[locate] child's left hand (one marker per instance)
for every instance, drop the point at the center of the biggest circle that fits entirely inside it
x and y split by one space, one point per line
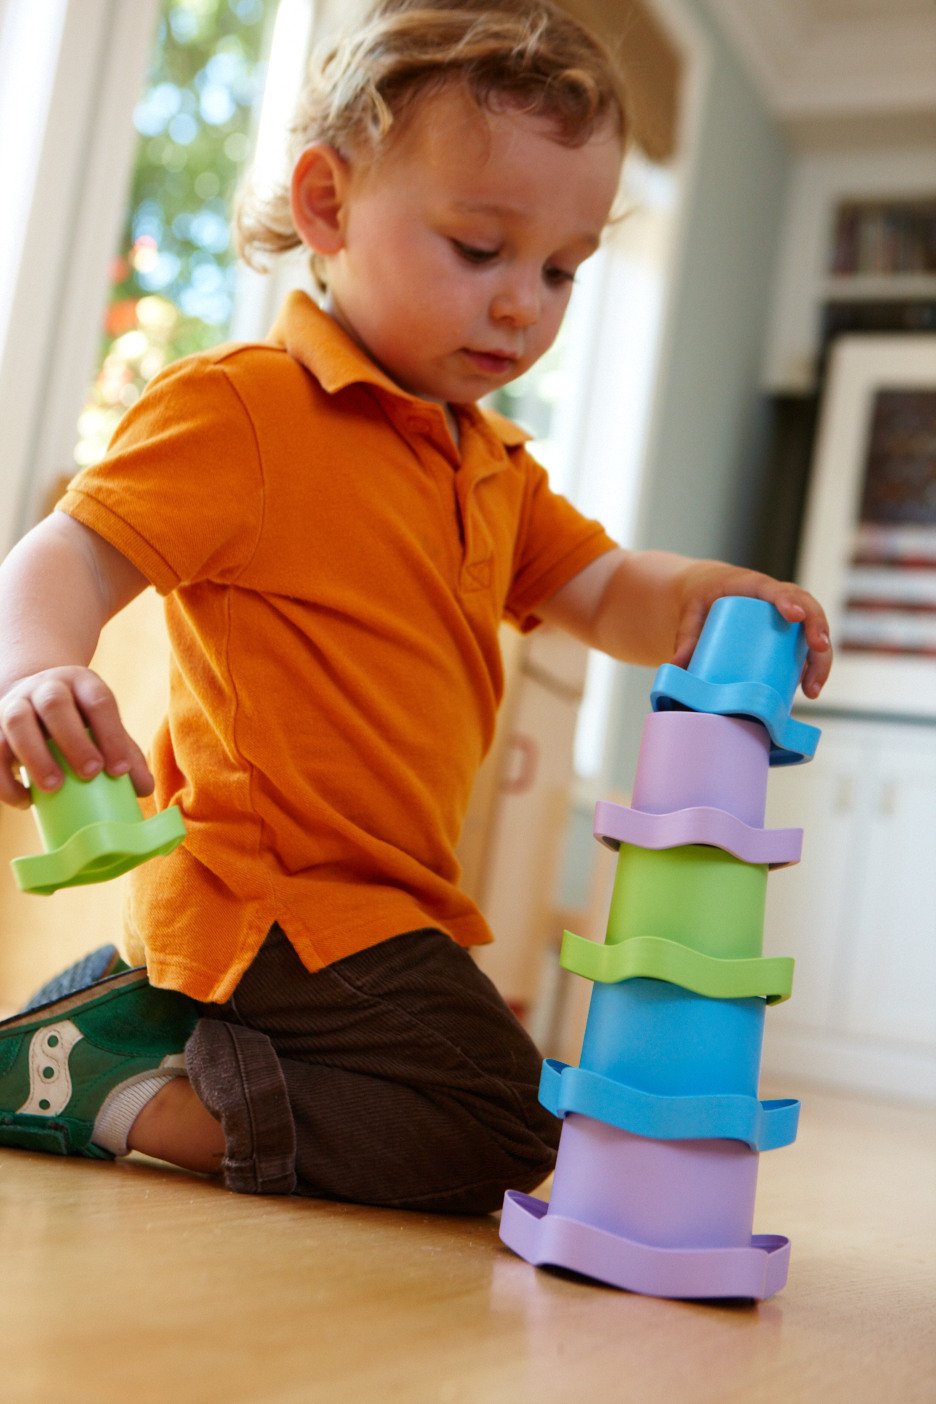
707 581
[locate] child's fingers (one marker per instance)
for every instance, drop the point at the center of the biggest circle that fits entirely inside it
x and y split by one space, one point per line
795 604
687 632
27 743
791 610
109 747
109 744
817 633
12 790
816 672
139 771
55 715
75 709
799 607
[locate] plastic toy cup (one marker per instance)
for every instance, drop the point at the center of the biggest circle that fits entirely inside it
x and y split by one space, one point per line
700 896
747 640
667 1220
713 828
92 830
693 759
747 663
552 1240
664 1039
671 1194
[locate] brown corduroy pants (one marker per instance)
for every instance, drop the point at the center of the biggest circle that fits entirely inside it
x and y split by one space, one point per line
395 1077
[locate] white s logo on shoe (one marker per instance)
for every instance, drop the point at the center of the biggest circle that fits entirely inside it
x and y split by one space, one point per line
50 1084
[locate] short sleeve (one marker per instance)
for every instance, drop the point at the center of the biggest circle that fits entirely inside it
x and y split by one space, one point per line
180 491
554 543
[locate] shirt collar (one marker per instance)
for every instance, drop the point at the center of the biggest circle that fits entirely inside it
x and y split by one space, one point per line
316 341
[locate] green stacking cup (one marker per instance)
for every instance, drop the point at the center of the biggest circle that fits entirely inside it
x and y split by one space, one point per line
691 916
92 830
701 897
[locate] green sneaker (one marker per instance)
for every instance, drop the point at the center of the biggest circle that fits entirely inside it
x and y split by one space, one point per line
60 1064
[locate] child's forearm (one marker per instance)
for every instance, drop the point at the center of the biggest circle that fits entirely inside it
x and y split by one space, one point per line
53 602
637 614
648 607
58 588
626 604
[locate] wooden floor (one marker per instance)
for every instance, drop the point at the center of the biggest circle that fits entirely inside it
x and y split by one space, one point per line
131 1281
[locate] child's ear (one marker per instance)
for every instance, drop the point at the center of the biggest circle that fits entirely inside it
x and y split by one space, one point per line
317 198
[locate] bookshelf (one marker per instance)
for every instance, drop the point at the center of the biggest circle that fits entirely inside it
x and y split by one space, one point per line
877 240
858 253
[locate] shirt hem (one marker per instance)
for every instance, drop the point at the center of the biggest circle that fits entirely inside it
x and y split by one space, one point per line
209 986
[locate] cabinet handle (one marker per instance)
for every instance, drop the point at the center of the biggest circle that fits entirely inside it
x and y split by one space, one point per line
526 754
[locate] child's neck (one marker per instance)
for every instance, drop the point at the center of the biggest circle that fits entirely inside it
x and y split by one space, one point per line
451 418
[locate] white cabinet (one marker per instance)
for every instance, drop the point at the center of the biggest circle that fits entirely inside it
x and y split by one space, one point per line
859 912
821 180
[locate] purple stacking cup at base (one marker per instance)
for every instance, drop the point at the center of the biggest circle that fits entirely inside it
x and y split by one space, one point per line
667 1219
666 1194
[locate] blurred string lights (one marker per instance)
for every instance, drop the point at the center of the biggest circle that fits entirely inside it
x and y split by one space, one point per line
172 282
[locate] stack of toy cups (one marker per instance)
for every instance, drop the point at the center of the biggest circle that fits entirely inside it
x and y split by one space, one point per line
657 1168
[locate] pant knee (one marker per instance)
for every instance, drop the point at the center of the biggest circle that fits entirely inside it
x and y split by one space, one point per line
511 1148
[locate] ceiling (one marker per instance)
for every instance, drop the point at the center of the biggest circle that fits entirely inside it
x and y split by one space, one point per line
828 65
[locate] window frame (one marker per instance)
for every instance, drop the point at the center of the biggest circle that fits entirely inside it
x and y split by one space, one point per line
64 229
70 225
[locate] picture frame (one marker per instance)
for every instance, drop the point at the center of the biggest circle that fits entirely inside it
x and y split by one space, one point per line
868 550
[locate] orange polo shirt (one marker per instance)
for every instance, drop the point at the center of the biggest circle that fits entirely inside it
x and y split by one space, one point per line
335 571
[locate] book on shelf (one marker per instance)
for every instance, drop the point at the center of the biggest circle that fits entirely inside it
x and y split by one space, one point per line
885 238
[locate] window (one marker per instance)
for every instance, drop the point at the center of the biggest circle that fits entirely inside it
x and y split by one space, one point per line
103 218
173 276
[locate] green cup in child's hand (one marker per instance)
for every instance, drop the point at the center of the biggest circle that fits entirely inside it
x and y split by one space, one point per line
92 830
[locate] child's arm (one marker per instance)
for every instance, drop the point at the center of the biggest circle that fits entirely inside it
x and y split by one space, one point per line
58 588
649 607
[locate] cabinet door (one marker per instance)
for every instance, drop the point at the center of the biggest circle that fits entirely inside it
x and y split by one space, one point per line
889 989
812 907
527 825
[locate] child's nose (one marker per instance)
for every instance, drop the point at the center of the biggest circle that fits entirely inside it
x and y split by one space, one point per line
517 301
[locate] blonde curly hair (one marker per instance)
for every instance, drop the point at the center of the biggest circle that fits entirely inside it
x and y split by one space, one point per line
528 55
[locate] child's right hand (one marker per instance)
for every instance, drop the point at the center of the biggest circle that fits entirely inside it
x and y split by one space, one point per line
64 704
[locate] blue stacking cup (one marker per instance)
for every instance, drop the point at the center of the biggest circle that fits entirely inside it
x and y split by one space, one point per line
661 1038
747 662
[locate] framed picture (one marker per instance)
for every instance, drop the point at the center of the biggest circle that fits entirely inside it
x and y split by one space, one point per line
869 539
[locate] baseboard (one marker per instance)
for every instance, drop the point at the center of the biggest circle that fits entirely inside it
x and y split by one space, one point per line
846 1064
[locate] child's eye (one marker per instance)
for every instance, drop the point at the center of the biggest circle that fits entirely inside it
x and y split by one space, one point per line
471 254
556 277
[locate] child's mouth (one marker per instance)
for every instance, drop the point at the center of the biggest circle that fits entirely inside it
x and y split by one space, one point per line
491 362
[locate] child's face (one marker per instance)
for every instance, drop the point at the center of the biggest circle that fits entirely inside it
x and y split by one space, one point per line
458 246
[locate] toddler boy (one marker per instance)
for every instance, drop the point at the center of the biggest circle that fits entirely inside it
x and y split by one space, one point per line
338 531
